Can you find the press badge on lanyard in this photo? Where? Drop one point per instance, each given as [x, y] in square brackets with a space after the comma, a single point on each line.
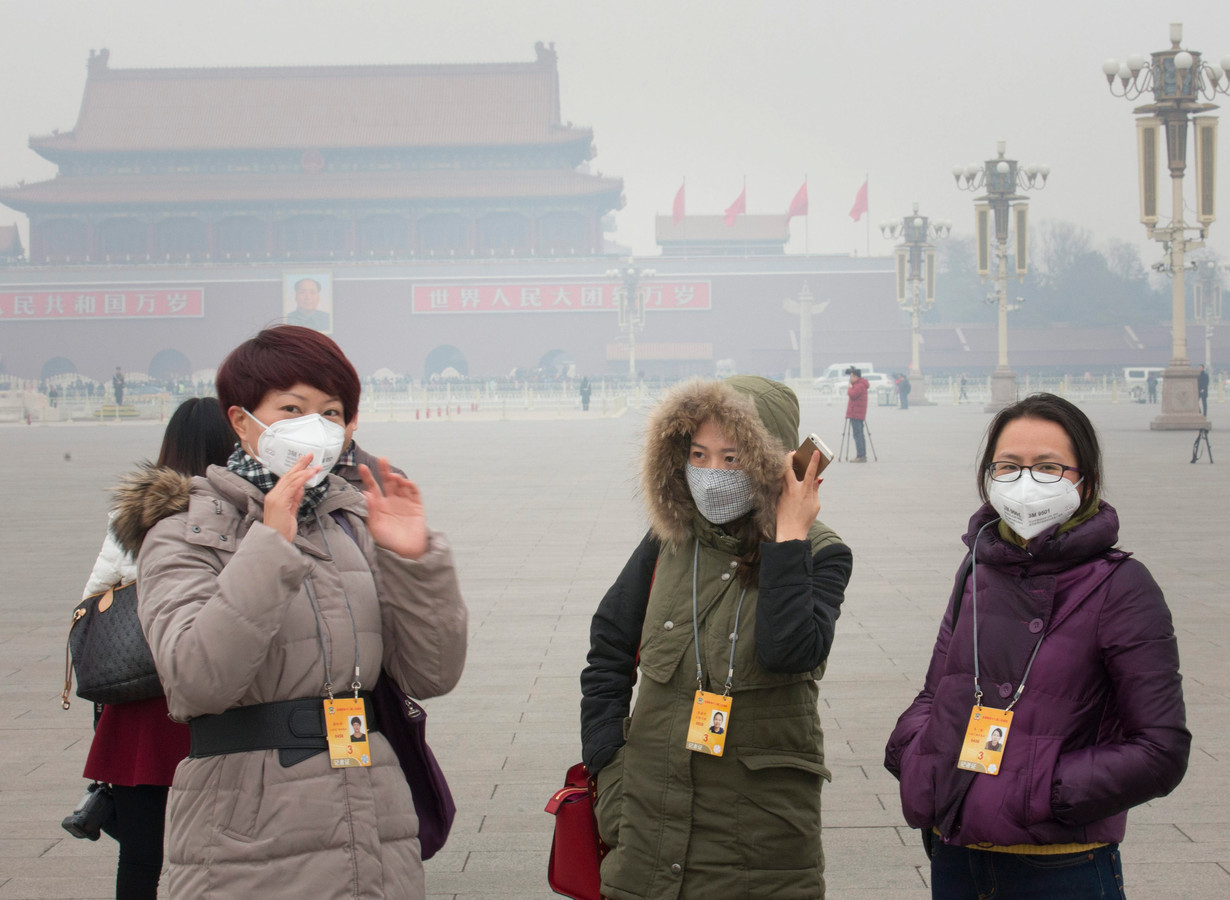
[982, 749]
[344, 749]
[710, 720]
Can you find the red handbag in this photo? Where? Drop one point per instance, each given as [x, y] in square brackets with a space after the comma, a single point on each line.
[576, 849]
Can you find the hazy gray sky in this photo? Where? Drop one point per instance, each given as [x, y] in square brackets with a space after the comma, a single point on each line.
[712, 91]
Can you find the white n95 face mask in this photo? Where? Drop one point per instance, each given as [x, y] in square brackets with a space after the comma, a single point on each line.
[721, 495]
[286, 441]
[1030, 508]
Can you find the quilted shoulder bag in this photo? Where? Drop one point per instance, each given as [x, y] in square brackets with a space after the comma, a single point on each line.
[107, 650]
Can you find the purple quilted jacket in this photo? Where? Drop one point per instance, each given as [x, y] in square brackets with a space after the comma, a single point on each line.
[1100, 726]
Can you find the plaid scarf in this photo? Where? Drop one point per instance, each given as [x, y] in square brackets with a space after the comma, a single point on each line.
[259, 475]
[348, 458]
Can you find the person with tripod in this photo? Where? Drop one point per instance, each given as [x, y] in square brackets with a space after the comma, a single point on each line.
[856, 412]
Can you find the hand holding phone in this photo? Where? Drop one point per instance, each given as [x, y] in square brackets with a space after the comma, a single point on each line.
[802, 456]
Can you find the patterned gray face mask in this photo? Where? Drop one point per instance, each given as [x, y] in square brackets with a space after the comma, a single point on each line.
[721, 495]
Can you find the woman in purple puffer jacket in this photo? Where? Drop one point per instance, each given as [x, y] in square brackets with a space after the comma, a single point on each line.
[1069, 651]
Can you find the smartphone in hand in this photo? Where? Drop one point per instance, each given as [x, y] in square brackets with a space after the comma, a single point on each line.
[802, 456]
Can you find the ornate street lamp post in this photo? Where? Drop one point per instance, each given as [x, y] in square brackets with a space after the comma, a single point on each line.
[631, 299]
[1206, 303]
[1001, 204]
[1178, 80]
[916, 279]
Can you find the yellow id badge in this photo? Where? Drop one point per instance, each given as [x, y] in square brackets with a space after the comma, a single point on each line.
[983, 747]
[346, 729]
[710, 722]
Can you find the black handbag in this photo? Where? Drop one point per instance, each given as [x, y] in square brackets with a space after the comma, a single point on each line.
[108, 651]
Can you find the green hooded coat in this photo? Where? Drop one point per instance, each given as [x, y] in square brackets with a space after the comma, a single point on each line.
[684, 824]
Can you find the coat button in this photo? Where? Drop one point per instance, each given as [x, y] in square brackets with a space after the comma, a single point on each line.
[196, 529]
[734, 563]
[1005, 691]
[676, 868]
[726, 576]
[222, 538]
[1036, 625]
[668, 624]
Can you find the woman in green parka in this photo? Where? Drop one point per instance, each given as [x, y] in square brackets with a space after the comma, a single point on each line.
[732, 596]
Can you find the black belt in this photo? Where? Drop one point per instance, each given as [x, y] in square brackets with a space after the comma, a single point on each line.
[295, 728]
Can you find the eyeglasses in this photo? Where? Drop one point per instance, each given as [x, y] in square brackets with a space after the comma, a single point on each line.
[1043, 473]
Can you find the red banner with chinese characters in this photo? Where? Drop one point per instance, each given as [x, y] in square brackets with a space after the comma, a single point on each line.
[109, 303]
[551, 297]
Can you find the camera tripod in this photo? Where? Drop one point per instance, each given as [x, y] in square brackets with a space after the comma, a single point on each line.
[843, 454]
[1202, 435]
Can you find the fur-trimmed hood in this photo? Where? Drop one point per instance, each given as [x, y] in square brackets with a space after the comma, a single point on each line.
[144, 498]
[759, 415]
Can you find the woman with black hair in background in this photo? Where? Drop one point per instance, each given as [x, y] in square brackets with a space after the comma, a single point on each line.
[136, 746]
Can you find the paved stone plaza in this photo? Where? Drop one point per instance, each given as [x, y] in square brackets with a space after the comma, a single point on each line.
[542, 514]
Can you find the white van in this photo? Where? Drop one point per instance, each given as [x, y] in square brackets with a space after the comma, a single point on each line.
[836, 376]
[1136, 381]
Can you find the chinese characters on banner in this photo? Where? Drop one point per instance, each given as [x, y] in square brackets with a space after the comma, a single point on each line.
[109, 303]
[554, 297]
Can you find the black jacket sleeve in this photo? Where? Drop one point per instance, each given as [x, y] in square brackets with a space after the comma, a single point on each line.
[614, 638]
[799, 602]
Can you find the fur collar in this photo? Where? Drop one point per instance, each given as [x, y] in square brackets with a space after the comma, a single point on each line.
[738, 408]
[144, 498]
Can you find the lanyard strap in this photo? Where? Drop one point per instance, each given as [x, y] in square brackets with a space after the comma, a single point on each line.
[734, 635]
[974, 613]
[355, 684]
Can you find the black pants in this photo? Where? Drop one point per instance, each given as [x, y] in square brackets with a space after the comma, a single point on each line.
[140, 814]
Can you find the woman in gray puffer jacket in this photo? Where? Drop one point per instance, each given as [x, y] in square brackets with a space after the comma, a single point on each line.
[1063, 644]
[266, 587]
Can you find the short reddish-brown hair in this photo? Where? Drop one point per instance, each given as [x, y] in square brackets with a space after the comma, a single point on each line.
[278, 358]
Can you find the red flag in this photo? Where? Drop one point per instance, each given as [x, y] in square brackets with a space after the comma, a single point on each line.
[678, 209]
[798, 206]
[860, 203]
[738, 208]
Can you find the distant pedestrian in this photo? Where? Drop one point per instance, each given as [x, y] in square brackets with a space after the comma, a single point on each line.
[1202, 391]
[586, 390]
[117, 385]
[856, 412]
[962, 395]
[1151, 383]
[903, 390]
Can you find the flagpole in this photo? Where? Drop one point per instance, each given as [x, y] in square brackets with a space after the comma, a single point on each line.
[867, 181]
[806, 219]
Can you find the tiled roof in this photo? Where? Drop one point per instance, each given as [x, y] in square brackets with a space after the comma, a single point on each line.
[341, 187]
[130, 110]
[710, 229]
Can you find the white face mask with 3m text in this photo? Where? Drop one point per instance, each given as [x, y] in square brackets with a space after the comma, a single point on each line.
[1030, 508]
[286, 441]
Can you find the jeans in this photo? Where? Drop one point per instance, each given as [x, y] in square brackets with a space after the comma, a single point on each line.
[962, 873]
[860, 446]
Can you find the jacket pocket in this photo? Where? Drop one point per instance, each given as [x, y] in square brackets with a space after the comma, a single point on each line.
[1044, 754]
[777, 808]
[917, 787]
[610, 803]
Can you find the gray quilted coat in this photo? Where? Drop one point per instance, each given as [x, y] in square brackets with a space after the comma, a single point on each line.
[224, 605]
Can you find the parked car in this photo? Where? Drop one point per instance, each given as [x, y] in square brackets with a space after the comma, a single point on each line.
[836, 377]
[877, 383]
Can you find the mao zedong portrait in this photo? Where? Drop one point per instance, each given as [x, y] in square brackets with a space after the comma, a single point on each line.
[307, 311]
